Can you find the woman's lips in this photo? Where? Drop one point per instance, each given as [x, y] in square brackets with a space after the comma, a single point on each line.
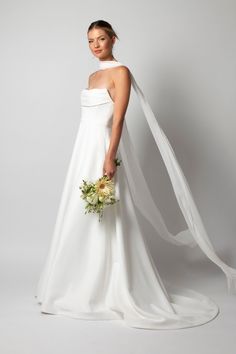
[97, 51]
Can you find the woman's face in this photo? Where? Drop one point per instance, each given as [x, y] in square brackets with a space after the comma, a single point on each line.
[100, 43]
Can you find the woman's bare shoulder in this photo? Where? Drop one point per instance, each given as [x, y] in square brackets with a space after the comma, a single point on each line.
[122, 68]
[93, 74]
[116, 68]
[122, 72]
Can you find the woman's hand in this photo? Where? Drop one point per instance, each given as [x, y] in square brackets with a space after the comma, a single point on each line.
[109, 167]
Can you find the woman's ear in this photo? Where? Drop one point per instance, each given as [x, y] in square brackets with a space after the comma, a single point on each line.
[113, 40]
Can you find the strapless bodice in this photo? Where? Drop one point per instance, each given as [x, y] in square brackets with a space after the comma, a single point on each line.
[96, 107]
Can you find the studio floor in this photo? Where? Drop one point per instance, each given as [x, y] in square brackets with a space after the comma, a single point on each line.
[25, 330]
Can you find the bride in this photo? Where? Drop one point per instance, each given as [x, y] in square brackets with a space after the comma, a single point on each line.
[104, 270]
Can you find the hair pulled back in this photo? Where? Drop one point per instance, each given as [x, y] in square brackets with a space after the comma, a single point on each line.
[105, 26]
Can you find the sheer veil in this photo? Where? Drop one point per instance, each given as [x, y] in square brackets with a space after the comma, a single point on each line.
[195, 234]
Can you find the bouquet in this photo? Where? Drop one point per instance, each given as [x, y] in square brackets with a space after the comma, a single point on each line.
[99, 194]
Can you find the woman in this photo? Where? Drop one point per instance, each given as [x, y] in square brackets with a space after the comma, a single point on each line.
[105, 270]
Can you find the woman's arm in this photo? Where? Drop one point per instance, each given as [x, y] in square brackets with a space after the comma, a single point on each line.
[122, 82]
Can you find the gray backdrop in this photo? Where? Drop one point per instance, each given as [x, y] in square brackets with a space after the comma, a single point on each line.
[182, 54]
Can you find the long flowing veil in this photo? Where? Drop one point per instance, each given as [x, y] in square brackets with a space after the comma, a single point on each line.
[195, 234]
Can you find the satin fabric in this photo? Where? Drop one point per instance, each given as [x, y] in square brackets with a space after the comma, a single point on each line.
[104, 270]
[195, 234]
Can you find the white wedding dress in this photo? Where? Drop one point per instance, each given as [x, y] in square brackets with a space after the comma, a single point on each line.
[104, 270]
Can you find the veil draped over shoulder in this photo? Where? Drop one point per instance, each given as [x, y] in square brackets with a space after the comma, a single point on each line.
[195, 234]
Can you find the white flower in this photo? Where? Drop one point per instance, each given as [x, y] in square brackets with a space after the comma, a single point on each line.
[93, 199]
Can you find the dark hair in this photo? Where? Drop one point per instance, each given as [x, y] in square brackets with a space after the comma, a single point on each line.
[104, 25]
